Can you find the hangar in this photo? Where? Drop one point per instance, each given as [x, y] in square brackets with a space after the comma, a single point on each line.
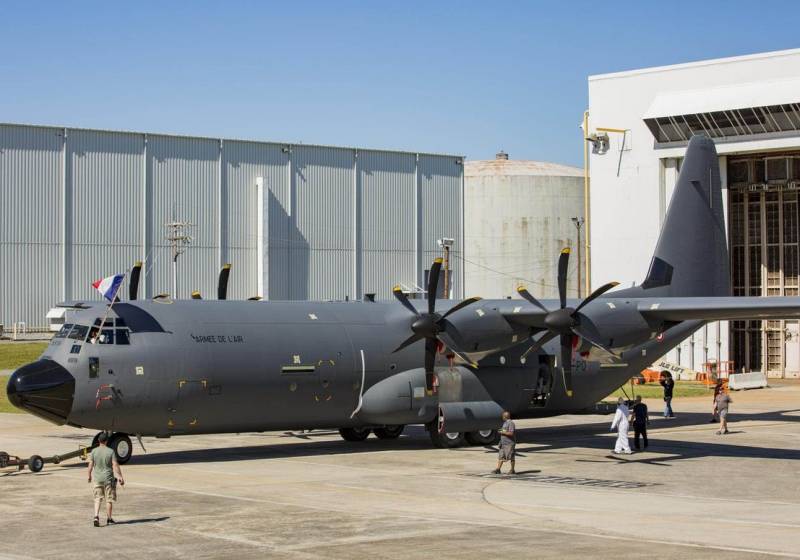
[296, 221]
[639, 124]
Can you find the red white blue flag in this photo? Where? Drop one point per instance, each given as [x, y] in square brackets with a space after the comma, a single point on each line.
[109, 286]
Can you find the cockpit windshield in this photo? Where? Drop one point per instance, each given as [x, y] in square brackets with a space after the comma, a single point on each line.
[113, 331]
[78, 332]
[64, 331]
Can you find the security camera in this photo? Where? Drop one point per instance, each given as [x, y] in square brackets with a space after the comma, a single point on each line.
[600, 142]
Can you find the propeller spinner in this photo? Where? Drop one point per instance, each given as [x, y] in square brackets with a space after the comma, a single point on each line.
[428, 325]
[565, 322]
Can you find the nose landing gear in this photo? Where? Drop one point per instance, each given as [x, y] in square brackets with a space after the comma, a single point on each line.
[119, 443]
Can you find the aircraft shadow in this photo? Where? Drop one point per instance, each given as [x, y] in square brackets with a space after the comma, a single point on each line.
[142, 520]
[562, 439]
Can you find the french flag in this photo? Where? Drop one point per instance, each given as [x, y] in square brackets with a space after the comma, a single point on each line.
[108, 286]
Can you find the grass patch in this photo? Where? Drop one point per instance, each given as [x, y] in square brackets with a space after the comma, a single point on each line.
[656, 391]
[13, 355]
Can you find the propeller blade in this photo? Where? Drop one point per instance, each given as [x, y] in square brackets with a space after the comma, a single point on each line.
[595, 294]
[563, 263]
[196, 295]
[222, 285]
[527, 296]
[566, 362]
[408, 342]
[430, 362]
[403, 298]
[461, 305]
[594, 343]
[544, 339]
[433, 284]
[133, 286]
[463, 357]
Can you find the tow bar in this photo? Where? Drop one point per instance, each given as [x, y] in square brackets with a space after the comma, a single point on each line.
[36, 463]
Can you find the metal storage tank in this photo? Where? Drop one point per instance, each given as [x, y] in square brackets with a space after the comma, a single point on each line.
[296, 221]
[518, 216]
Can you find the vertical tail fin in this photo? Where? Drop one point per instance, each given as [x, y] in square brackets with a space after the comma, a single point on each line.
[691, 256]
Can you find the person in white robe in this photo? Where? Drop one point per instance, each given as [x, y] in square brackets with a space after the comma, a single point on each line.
[620, 423]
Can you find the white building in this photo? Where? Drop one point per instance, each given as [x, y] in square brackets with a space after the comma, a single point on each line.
[750, 105]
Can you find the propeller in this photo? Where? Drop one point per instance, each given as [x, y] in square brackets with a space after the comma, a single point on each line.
[428, 325]
[222, 284]
[133, 285]
[565, 322]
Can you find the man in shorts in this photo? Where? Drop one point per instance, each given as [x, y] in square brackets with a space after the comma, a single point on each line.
[102, 467]
[507, 443]
[722, 402]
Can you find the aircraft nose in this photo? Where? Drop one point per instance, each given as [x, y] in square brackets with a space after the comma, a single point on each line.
[44, 388]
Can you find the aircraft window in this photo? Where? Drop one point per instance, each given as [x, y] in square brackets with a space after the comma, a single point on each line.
[122, 337]
[94, 367]
[92, 338]
[64, 331]
[121, 322]
[78, 332]
[109, 323]
[76, 349]
[106, 337]
[96, 322]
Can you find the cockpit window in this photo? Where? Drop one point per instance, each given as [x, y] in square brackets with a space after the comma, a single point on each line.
[122, 337]
[78, 332]
[106, 337]
[64, 331]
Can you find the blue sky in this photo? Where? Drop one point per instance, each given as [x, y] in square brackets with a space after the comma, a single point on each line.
[457, 77]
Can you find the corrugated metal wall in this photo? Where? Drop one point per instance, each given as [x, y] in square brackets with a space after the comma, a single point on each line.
[77, 204]
[31, 222]
[441, 184]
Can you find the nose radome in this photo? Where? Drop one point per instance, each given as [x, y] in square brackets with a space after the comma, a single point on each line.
[44, 388]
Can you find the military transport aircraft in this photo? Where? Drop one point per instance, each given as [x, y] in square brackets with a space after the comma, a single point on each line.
[165, 367]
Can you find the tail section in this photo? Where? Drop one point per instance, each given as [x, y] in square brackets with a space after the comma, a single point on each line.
[691, 256]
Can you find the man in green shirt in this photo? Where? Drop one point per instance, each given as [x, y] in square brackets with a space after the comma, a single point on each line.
[102, 467]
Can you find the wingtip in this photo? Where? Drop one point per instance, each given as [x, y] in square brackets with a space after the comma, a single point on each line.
[438, 260]
[521, 289]
[566, 251]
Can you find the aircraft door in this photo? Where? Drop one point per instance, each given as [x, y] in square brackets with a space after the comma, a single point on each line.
[316, 372]
[540, 393]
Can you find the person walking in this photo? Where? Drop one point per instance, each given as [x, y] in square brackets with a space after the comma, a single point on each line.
[718, 388]
[620, 423]
[668, 383]
[723, 400]
[640, 419]
[508, 444]
[103, 466]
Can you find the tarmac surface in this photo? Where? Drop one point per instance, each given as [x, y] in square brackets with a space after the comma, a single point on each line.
[308, 496]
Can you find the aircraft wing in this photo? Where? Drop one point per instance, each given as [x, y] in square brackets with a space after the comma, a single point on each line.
[720, 308]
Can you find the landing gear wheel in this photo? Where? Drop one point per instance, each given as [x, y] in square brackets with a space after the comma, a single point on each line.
[121, 445]
[447, 439]
[354, 434]
[483, 437]
[4, 459]
[35, 463]
[95, 439]
[389, 432]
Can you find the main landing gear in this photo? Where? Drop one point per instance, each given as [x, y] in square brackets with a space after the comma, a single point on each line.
[120, 444]
[460, 439]
[360, 434]
[442, 441]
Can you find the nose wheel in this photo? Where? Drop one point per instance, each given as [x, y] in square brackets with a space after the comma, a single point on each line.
[119, 443]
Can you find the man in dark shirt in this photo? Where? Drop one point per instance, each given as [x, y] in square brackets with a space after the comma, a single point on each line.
[667, 382]
[640, 420]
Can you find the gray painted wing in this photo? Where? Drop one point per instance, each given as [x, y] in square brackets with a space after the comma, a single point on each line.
[720, 308]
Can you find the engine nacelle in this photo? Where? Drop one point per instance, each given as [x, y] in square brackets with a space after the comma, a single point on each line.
[480, 330]
[616, 324]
